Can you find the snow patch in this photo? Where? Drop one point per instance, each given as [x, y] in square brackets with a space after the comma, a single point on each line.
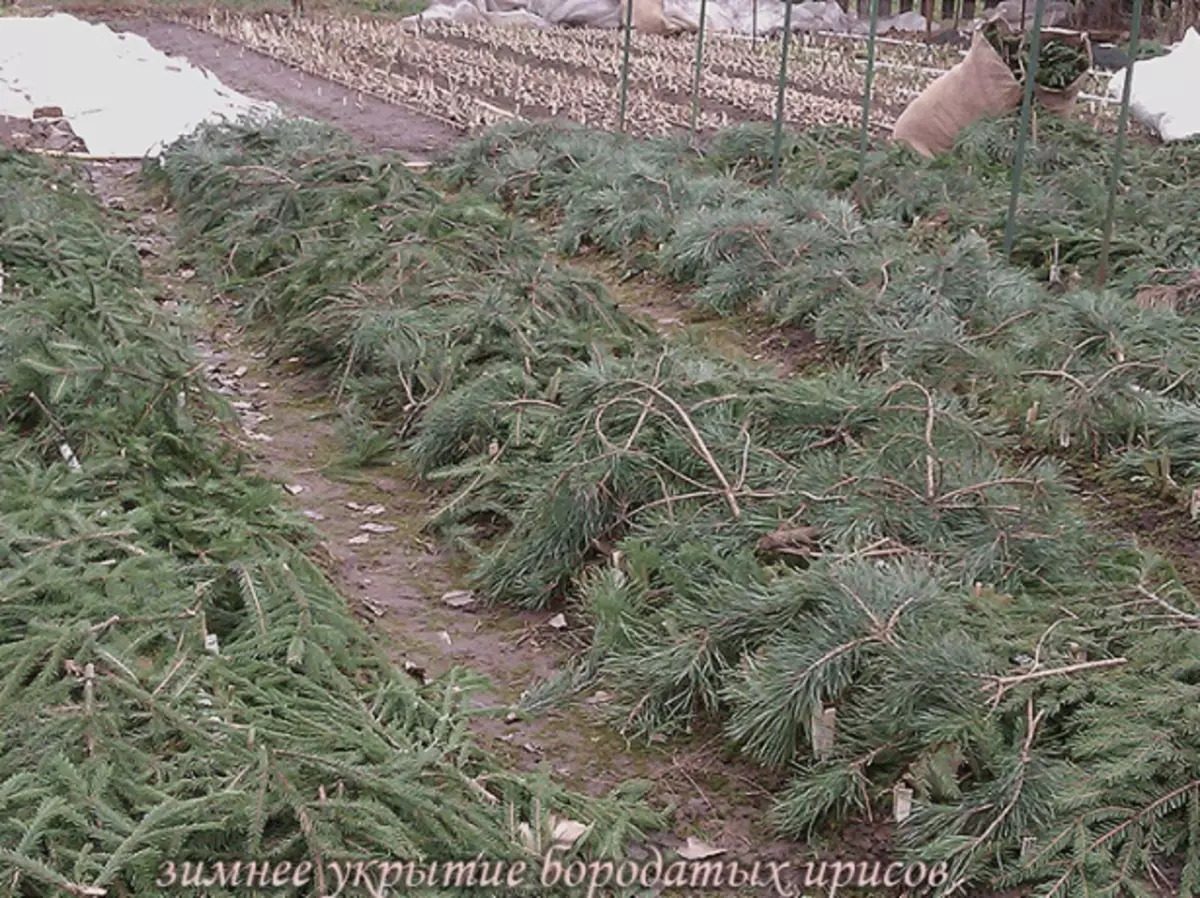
[121, 96]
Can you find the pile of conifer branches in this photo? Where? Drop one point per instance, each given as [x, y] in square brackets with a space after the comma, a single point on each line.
[847, 569]
[178, 682]
[904, 270]
[570, 170]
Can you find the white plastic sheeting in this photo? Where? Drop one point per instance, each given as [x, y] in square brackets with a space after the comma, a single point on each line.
[736, 16]
[1163, 96]
[120, 95]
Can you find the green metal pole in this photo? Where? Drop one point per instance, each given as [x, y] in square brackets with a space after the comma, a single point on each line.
[783, 60]
[699, 62]
[864, 139]
[1114, 177]
[625, 64]
[1035, 50]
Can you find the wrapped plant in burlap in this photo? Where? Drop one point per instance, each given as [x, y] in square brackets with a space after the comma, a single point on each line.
[1064, 59]
[981, 86]
[990, 81]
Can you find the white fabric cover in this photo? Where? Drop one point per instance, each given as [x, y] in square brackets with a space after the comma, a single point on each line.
[1163, 95]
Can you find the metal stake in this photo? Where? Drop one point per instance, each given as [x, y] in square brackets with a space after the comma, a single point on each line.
[1035, 50]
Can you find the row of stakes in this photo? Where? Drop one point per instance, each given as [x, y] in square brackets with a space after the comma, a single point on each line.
[864, 139]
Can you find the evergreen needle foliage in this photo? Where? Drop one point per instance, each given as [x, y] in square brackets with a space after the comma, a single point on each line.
[178, 682]
[756, 550]
[914, 282]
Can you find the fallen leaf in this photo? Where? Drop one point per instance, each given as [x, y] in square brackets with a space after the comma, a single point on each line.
[568, 832]
[313, 515]
[374, 509]
[459, 598]
[354, 506]
[790, 541]
[359, 540]
[558, 622]
[374, 607]
[260, 437]
[599, 698]
[377, 528]
[695, 850]
[294, 488]
[241, 371]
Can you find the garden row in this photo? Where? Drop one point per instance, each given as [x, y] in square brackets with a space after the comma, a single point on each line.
[847, 569]
[178, 682]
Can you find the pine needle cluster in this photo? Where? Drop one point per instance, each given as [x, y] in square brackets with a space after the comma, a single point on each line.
[848, 570]
[178, 682]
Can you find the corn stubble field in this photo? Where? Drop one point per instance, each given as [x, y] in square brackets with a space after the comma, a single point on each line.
[893, 533]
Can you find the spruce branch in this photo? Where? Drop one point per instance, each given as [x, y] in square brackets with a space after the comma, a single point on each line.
[1031, 725]
[1138, 817]
[698, 443]
[931, 452]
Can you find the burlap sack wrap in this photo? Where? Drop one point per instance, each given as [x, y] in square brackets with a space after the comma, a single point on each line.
[981, 86]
